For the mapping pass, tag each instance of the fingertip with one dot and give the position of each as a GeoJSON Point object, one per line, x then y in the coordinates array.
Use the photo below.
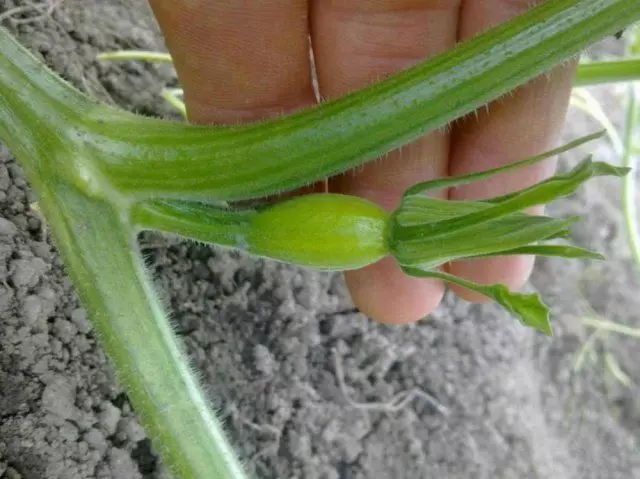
{"type": "Point", "coordinates": [386, 294]}
{"type": "Point", "coordinates": [512, 271]}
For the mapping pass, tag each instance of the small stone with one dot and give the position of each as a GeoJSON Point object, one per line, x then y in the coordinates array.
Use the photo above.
{"type": "Point", "coordinates": [15, 170]}
{"type": "Point", "coordinates": [265, 362]}
{"type": "Point", "coordinates": [7, 228]}
{"type": "Point", "coordinates": [69, 432]}
{"type": "Point", "coordinates": [109, 417]}
{"type": "Point", "coordinates": [41, 250]}
{"type": "Point", "coordinates": [17, 195]}
{"type": "Point", "coordinates": [17, 207]}
{"type": "Point", "coordinates": [56, 347]}
{"type": "Point", "coordinates": [32, 308]}
{"type": "Point", "coordinates": [132, 429]}
{"type": "Point", "coordinates": [6, 298]}
{"type": "Point", "coordinates": [11, 473]}
{"type": "Point", "coordinates": [5, 251]}
{"type": "Point", "coordinates": [299, 445]}
{"type": "Point", "coordinates": [42, 366]}
{"type": "Point", "coordinates": [351, 449]}
{"type": "Point", "coordinates": [20, 182]}
{"type": "Point", "coordinates": [79, 318]}
{"type": "Point", "coordinates": [5, 180]}
{"type": "Point", "coordinates": [59, 397]}
{"type": "Point", "coordinates": [96, 441]}
{"type": "Point", "coordinates": [27, 272]}
{"type": "Point", "coordinates": [200, 271]}
{"type": "Point", "coordinates": [121, 464]}
{"type": "Point", "coordinates": [64, 330]}
{"type": "Point", "coordinates": [83, 448]}
{"type": "Point", "coordinates": [33, 224]}
{"type": "Point", "coordinates": [47, 293]}
{"type": "Point", "coordinates": [82, 344]}
{"type": "Point", "coordinates": [85, 420]}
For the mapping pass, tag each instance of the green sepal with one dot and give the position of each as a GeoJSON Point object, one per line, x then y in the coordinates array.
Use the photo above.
{"type": "Point", "coordinates": [559, 250]}
{"type": "Point", "coordinates": [586, 170]}
{"type": "Point", "coordinates": [541, 193]}
{"type": "Point", "coordinates": [427, 232]}
{"type": "Point", "coordinates": [483, 175]}
{"type": "Point", "coordinates": [486, 239]}
{"type": "Point", "coordinates": [528, 308]}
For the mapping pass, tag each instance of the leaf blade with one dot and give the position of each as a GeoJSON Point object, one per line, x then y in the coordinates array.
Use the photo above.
{"type": "Point", "coordinates": [527, 308]}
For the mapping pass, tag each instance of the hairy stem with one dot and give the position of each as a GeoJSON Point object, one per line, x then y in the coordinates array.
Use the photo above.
{"type": "Point", "coordinates": [247, 161]}
{"type": "Point", "coordinates": [101, 254]}
{"type": "Point", "coordinates": [617, 71]}
{"type": "Point", "coordinates": [628, 185]}
{"type": "Point", "coordinates": [201, 222]}
{"type": "Point", "coordinates": [41, 119]}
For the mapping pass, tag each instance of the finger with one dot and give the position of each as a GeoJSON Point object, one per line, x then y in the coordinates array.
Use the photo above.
{"type": "Point", "coordinates": [356, 43]}
{"type": "Point", "coordinates": [238, 61]}
{"type": "Point", "coordinates": [520, 125]}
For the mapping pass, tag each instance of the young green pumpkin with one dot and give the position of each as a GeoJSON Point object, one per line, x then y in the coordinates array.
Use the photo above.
{"type": "Point", "coordinates": [322, 231]}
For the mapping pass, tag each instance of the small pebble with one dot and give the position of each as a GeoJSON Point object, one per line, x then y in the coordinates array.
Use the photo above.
{"type": "Point", "coordinates": [265, 362]}
{"type": "Point", "coordinates": [59, 398]}
{"type": "Point", "coordinates": [132, 429]}
{"type": "Point", "coordinates": [41, 250]}
{"type": "Point", "coordinates": [69, 432]}
{"type": "Point", "coordinates": [109, 417]}
{"type": "Point", "coordinates": [96, 440]}
{"type": "Point", "coordinates": [17, 195]}
{"type": "Point", "coordinates": [15, 170]}
{"type": "Point", "coordinates": [7, 228]}
{"type": "Point", "coordinates": [79, 318]}
{"type": "Point", "coordinates": [33, 224]}
{"type": "Point", "coordinates": [27, 272]}
{"type": "Point", "coordinates": [5, 180]}
{"type": "Point", "coordinates": [47, 293]}
{"type": "Point", "coordinates": [32, 309]}
{"type": "Point", "coordinates": [11, 473]}
{"type": "Point", "coordinates": [6, 299]}
{"type": "Point", "coordinates": [64, 330]}
{"type": "Point", "coordinates": [121, 464]}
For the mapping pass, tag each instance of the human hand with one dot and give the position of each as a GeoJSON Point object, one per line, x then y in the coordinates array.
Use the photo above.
{"type": "Point", "coordinates": [249, 60]}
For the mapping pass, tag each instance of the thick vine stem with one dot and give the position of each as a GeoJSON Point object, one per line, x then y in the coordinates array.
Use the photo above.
{"type": "Point", "coordinates": [613, 71]}
{"type": "Point", "coordinates": [92, 233]}
{"type": "Point", "coordinates": [142, 158]}
{"type": "Point", "coordinates": [256, 160]}
{"type": "Point", "coordinates": [628, 187]}
{"type": "Point", "coordinates": [103, 259]}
